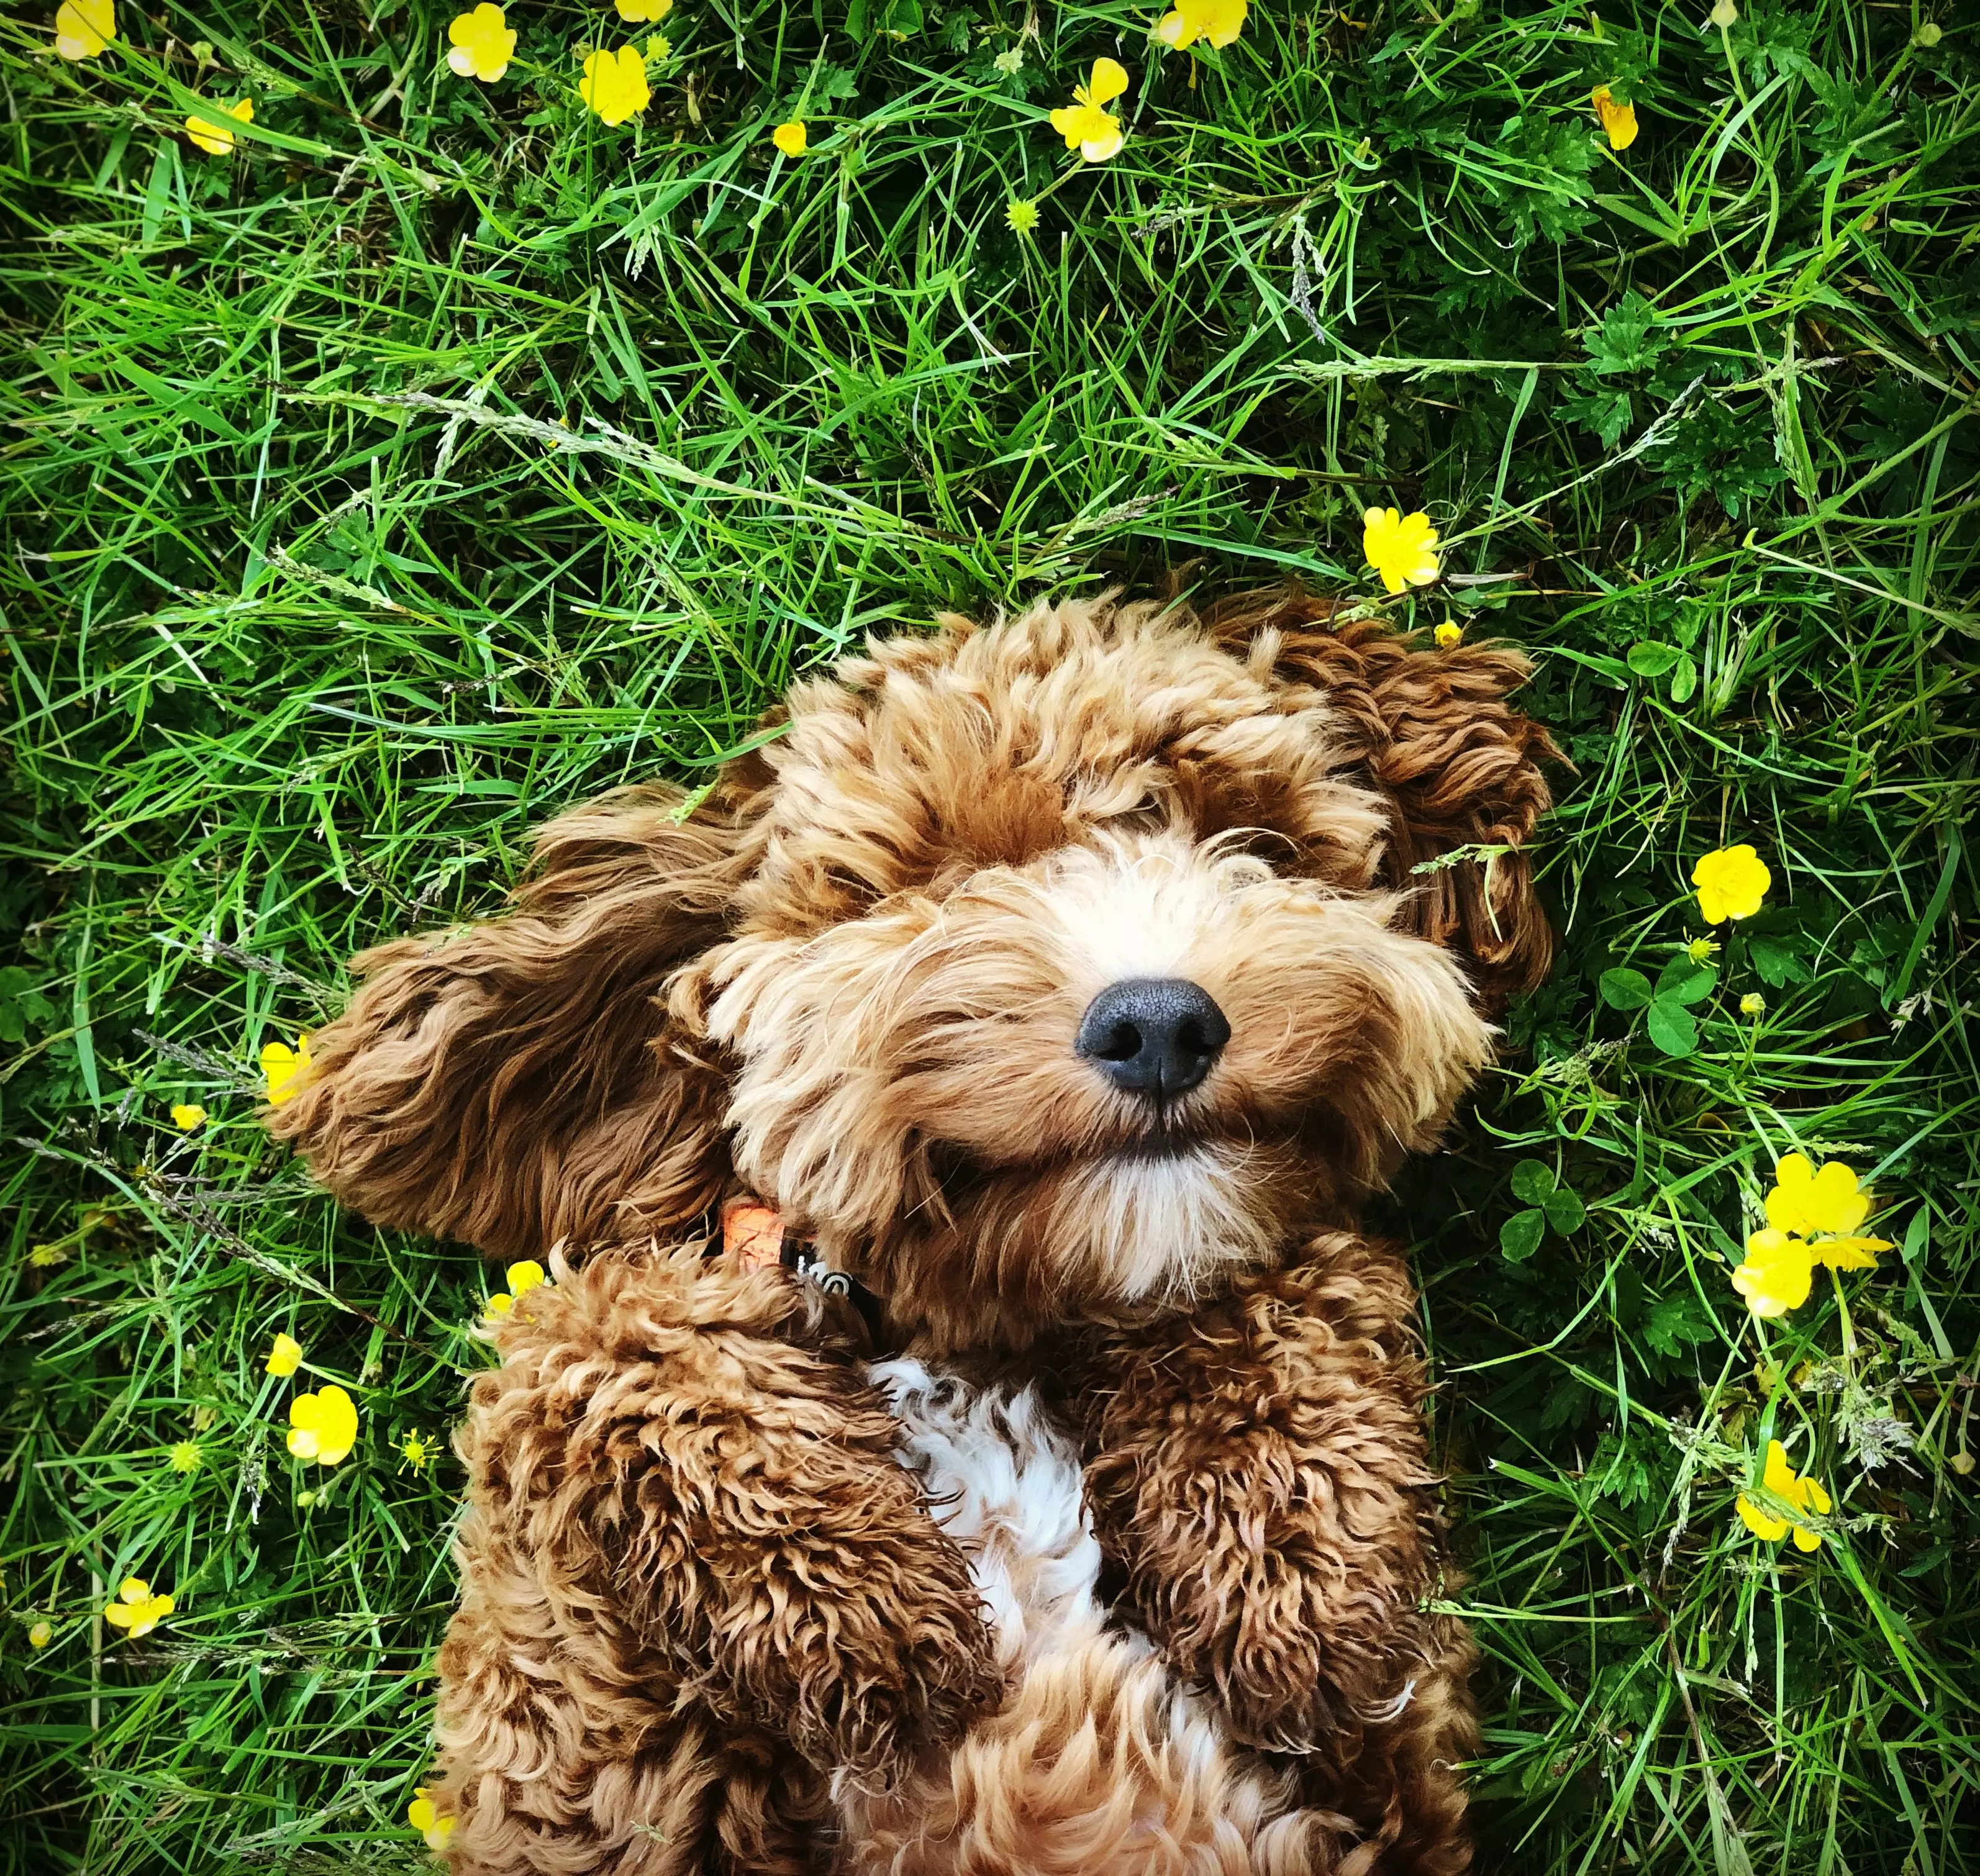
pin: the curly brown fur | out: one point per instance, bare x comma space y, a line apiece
1258, 1470
708, 1620
696, 1582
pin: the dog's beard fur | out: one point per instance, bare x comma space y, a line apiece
906, 1085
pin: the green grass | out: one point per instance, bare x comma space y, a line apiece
309, 618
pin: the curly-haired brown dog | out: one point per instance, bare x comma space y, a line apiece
1067, 981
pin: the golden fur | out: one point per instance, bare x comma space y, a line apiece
733, 1600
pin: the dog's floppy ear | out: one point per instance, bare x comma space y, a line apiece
1459, 766
515, 1084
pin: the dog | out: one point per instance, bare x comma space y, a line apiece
1059, 988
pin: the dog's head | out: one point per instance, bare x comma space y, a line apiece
1042, 970
1080, 957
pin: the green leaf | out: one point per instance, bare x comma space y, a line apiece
1520, 1236
1672, 1028
1629, 340
1682, 981
1624, 989
1684, 678
1565, 1211
1533, 1180
1648, 658
1776, 963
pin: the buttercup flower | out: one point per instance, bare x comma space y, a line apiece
1777, 1274
1806, 1495
1619, 121
1731, 882
286, 1356
615, 85
1401, 548
186, 1116
217, 139
1702, 950
136, 1608
523, 1277
634, 11
1096, 133
185, 1457
1449, 636
424, 1815
790, 138
1724, 13
482, 44
1219, 21
323, 1426
1752, 1004
1805, 1201
415, 1452
40, 1635
287, 1069
84, 28
1021, 217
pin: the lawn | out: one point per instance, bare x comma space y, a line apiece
438, 454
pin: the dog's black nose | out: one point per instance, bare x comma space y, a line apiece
1155, 1036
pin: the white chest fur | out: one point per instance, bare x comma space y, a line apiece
1101, 1762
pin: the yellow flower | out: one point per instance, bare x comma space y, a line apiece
615, 85
1619, 121
1777, 1274
790, 138
482, 44
633, 12
286, 1356
1449, 636
40, 1635
217, 139
185, 1457
1094, 132
84, 28
424, 1815
136, 1608
1401, 548
1805, 1201
1731, 882
186, 1117
1021, 217
1848, 1254
523, 1277
287, 1069
1219, 21
1702, 950
1806, 1495
323, 1426
415, 1452
45, 1257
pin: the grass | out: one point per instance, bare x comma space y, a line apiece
313, 605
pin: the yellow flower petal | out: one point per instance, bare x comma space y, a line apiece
218, 140
286, 1069
1619, 121
1219, 21
790, 138
134, 1589
84, 28
286, 1356
323, 1426
501, 1303
526, 1277
615, 85
186, 1116
1806, 1201
1450, 634
482, 44
1777, 1275
40, 1635
1108, 80
1758, 1521
1731, 882
634, 11
1401, 548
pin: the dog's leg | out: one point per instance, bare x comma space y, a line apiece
1257, 1470
699, 1586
